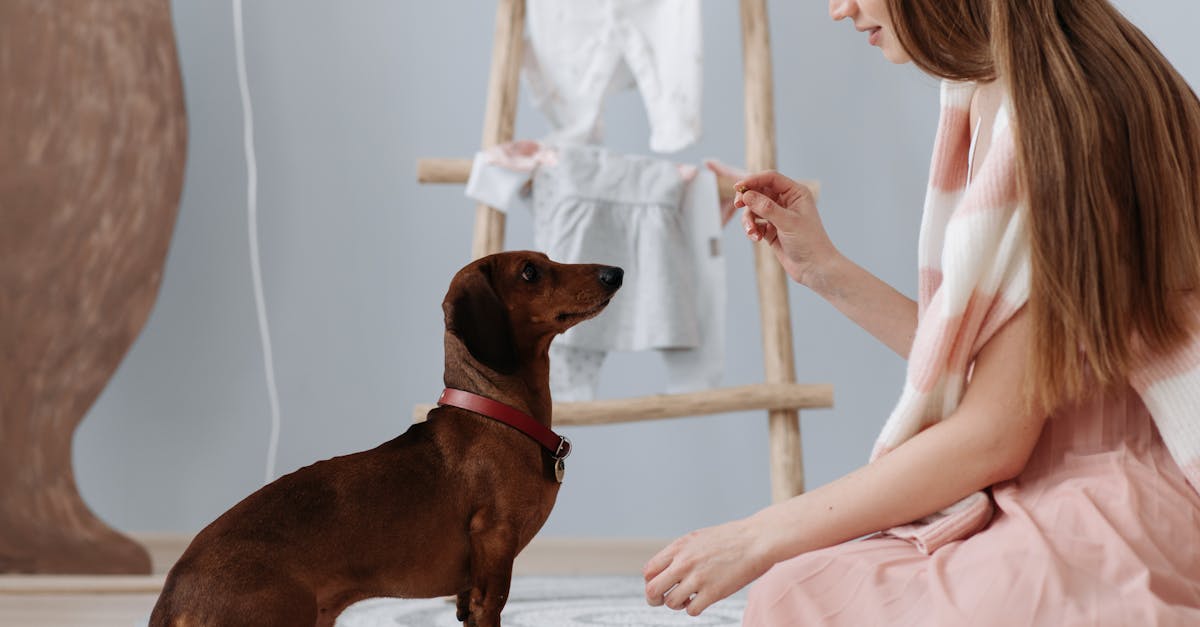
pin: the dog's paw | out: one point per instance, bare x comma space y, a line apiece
463, 611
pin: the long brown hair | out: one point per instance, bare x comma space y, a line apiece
1108, 147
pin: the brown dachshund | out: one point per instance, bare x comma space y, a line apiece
440, 510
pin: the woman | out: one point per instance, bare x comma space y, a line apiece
1054, 356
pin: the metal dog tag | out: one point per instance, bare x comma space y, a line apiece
560, 468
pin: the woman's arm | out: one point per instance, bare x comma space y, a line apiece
784, 214
864, 298
986, 440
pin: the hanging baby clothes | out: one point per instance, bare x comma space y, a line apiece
593, 206
577, 53
701, 368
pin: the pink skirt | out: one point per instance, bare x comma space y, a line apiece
1099, 529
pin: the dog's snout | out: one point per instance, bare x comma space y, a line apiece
612, 276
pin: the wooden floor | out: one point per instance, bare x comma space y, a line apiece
49, 601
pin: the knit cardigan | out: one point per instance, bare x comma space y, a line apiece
974, 257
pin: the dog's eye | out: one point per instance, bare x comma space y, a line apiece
530, 272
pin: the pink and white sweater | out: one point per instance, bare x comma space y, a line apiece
974, 256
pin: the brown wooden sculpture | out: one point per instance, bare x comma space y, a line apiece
92, 152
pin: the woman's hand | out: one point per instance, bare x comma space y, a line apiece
706, 566
783, 213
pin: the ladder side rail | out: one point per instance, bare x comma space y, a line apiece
786, 453
500, 114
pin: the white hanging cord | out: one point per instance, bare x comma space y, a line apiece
252, 213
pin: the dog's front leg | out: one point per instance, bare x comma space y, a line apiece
489, 593
492, 552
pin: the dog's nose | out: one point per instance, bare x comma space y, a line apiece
612, 276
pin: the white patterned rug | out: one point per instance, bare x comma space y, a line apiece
551, 602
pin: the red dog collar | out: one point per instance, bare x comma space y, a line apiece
559, 446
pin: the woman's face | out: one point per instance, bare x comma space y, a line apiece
871, 17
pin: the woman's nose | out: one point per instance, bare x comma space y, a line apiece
842, 9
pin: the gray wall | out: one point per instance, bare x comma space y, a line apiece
356, 257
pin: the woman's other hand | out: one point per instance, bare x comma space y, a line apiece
783, 213
706, 566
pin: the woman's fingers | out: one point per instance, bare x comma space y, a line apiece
661, 586
761, 217
659, 562
777, 187
762, 205
659, 574
679, 597
687, 593
769, 233
772, 184
753, 225
758, 228
749, 225
700, 602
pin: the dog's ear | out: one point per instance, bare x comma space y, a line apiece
475, 313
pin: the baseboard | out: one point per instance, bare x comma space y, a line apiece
164, 548
80, 584
543, 556
586, 556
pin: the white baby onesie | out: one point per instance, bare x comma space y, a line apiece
593, 206
702, 367
579, 51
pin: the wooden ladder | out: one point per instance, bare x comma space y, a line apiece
780, 395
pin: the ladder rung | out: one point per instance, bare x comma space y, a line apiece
438, 170
718, 401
